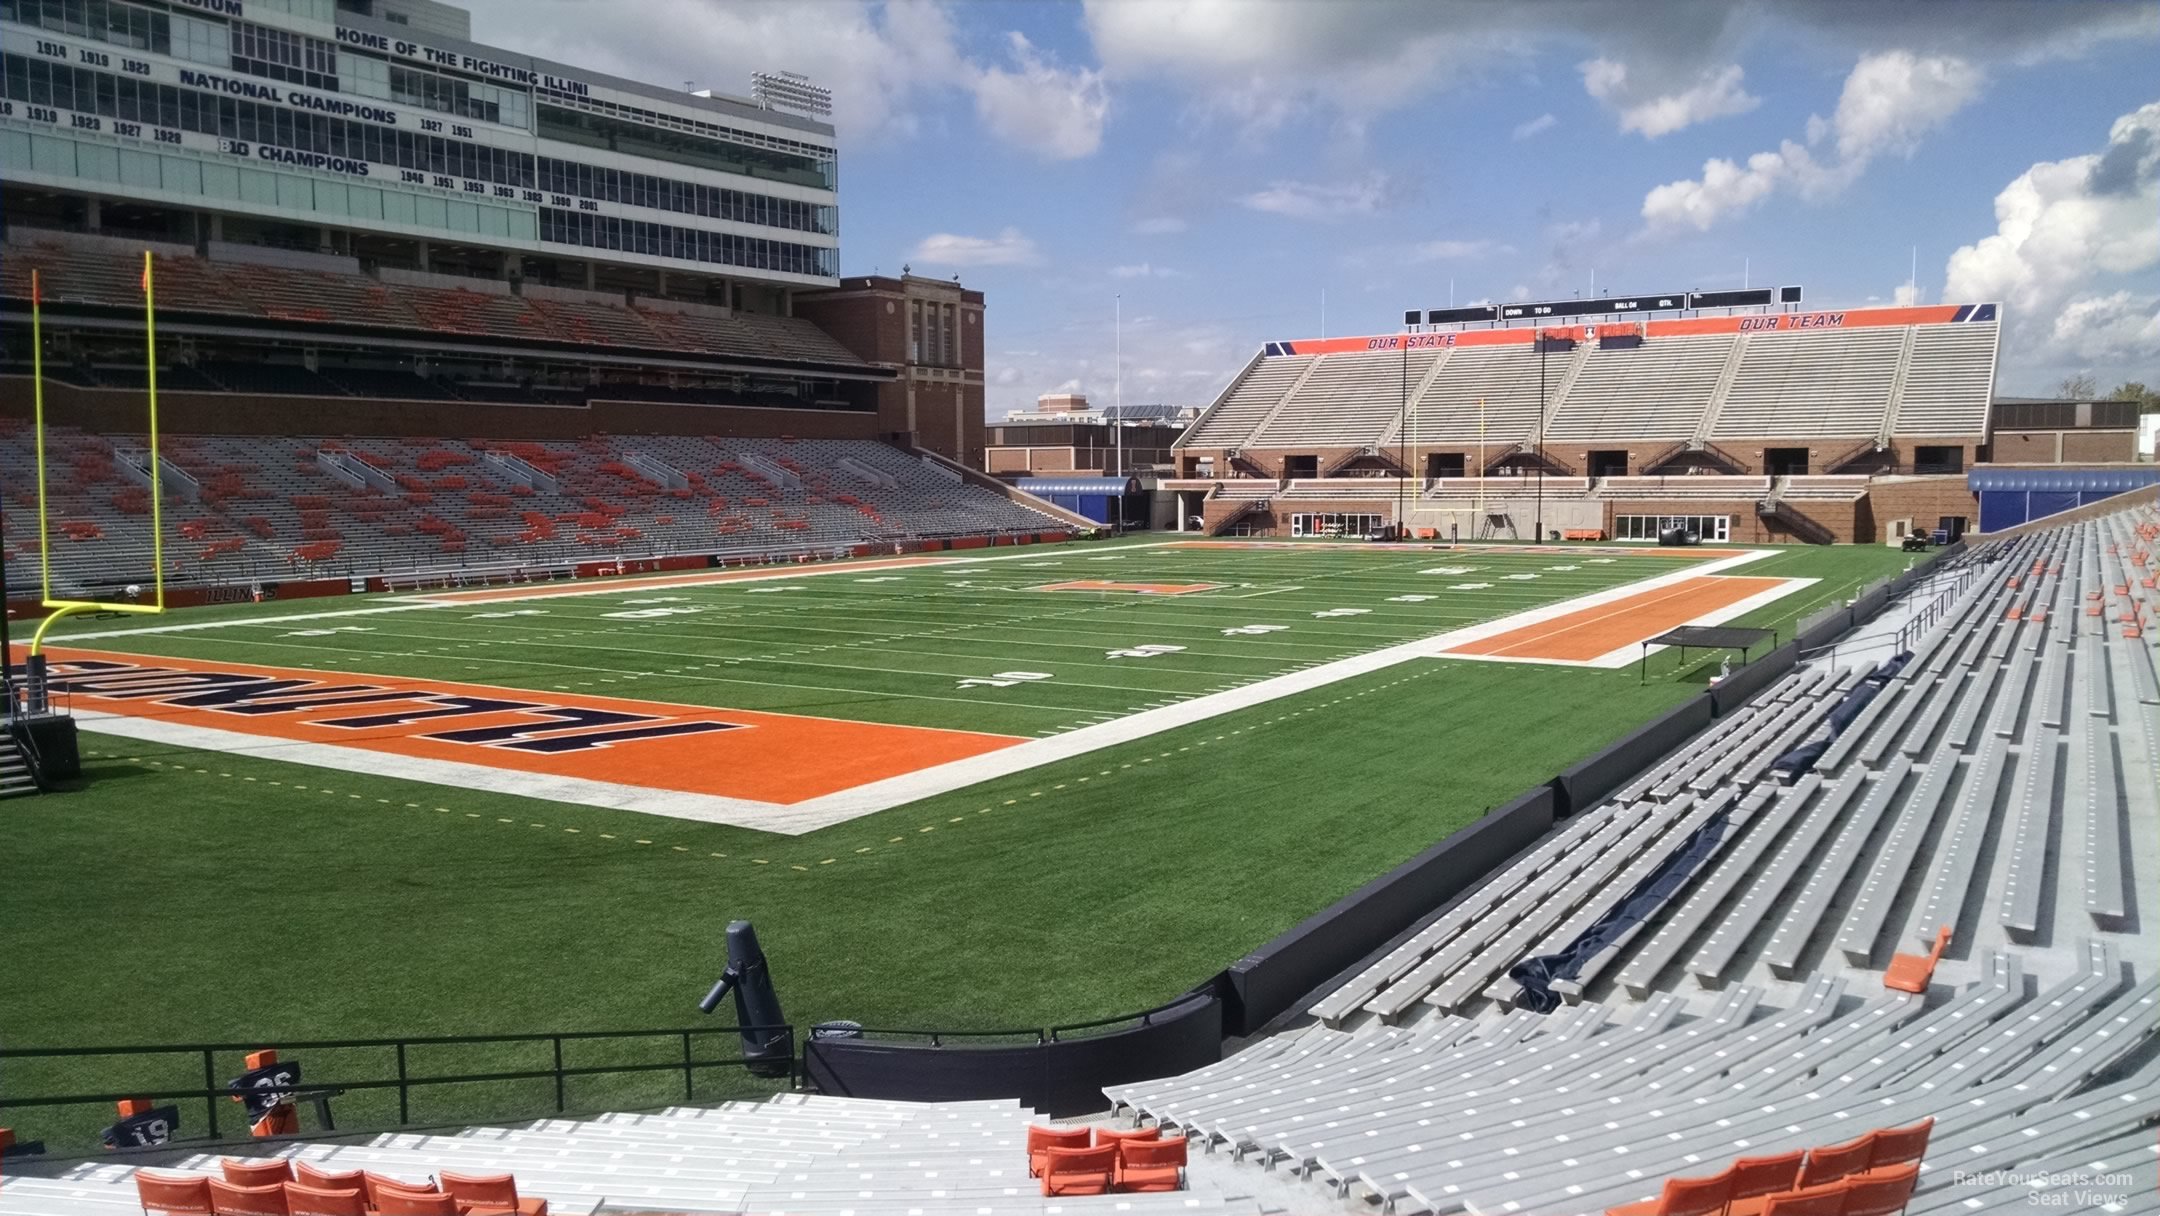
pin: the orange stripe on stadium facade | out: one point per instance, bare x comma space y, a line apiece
1592, 633
1523, 333
724, 753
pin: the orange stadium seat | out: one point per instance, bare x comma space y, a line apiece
1911, 972
1066, 1171
1880, 1194
1123, 1136
256, 1173
329, 1180
1826, 1200
1755, 1177
490, 1192
229, 1200
1836, 1162
159, 1194
302, 1200
1151, 1165
1685, 1197
1891, 1147
397, 1201
1040, 1140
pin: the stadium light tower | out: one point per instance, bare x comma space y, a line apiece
790, 91
1402, 449
1539, 337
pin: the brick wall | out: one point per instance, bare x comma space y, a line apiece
1924, 500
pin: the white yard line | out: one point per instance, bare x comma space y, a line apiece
827, 810
68, 639
723, 577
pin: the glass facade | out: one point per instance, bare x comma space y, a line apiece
1331, 524
1647, 527
688, 244
386, 144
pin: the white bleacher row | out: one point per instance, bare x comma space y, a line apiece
1660, 390
1336, 404
1481, 391
795, 1155
1927, 380
1230, 422
1419, 1083
254, 535
1949, 380
1812, 385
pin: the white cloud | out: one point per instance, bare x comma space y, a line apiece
2121, 328
1893, 99
1056, 112
1448, 250
1145, 270
2062, 223
1535, 127
1890, 101
1006, 375
1007, 248
1159, 225
2063, 229
1715, 94
1324, 200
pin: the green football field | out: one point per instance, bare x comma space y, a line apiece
898, 644
189, 895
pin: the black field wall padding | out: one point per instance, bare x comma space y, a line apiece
1826, 631
1734, 690
1581, 786
1058, 1077
1276, 977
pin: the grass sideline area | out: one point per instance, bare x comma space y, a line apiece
194, 896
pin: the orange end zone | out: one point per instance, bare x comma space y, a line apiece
1590, 633
728, 753
1096, 584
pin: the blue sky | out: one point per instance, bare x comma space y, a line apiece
1221, 164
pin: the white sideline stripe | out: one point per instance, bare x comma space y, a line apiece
705, 808
825, 811
413, 602
65, 639
722, 578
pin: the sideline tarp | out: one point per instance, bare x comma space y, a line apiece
1537, 975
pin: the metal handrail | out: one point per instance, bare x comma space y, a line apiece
212, 1094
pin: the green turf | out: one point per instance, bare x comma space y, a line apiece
894, 645
184, 895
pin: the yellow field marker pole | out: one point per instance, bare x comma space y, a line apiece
59, 609
37, 424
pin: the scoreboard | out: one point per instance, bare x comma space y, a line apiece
1610, 306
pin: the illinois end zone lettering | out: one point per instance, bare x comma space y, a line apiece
608, 751
567, 728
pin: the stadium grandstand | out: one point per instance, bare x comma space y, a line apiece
1759, 421
407, 316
